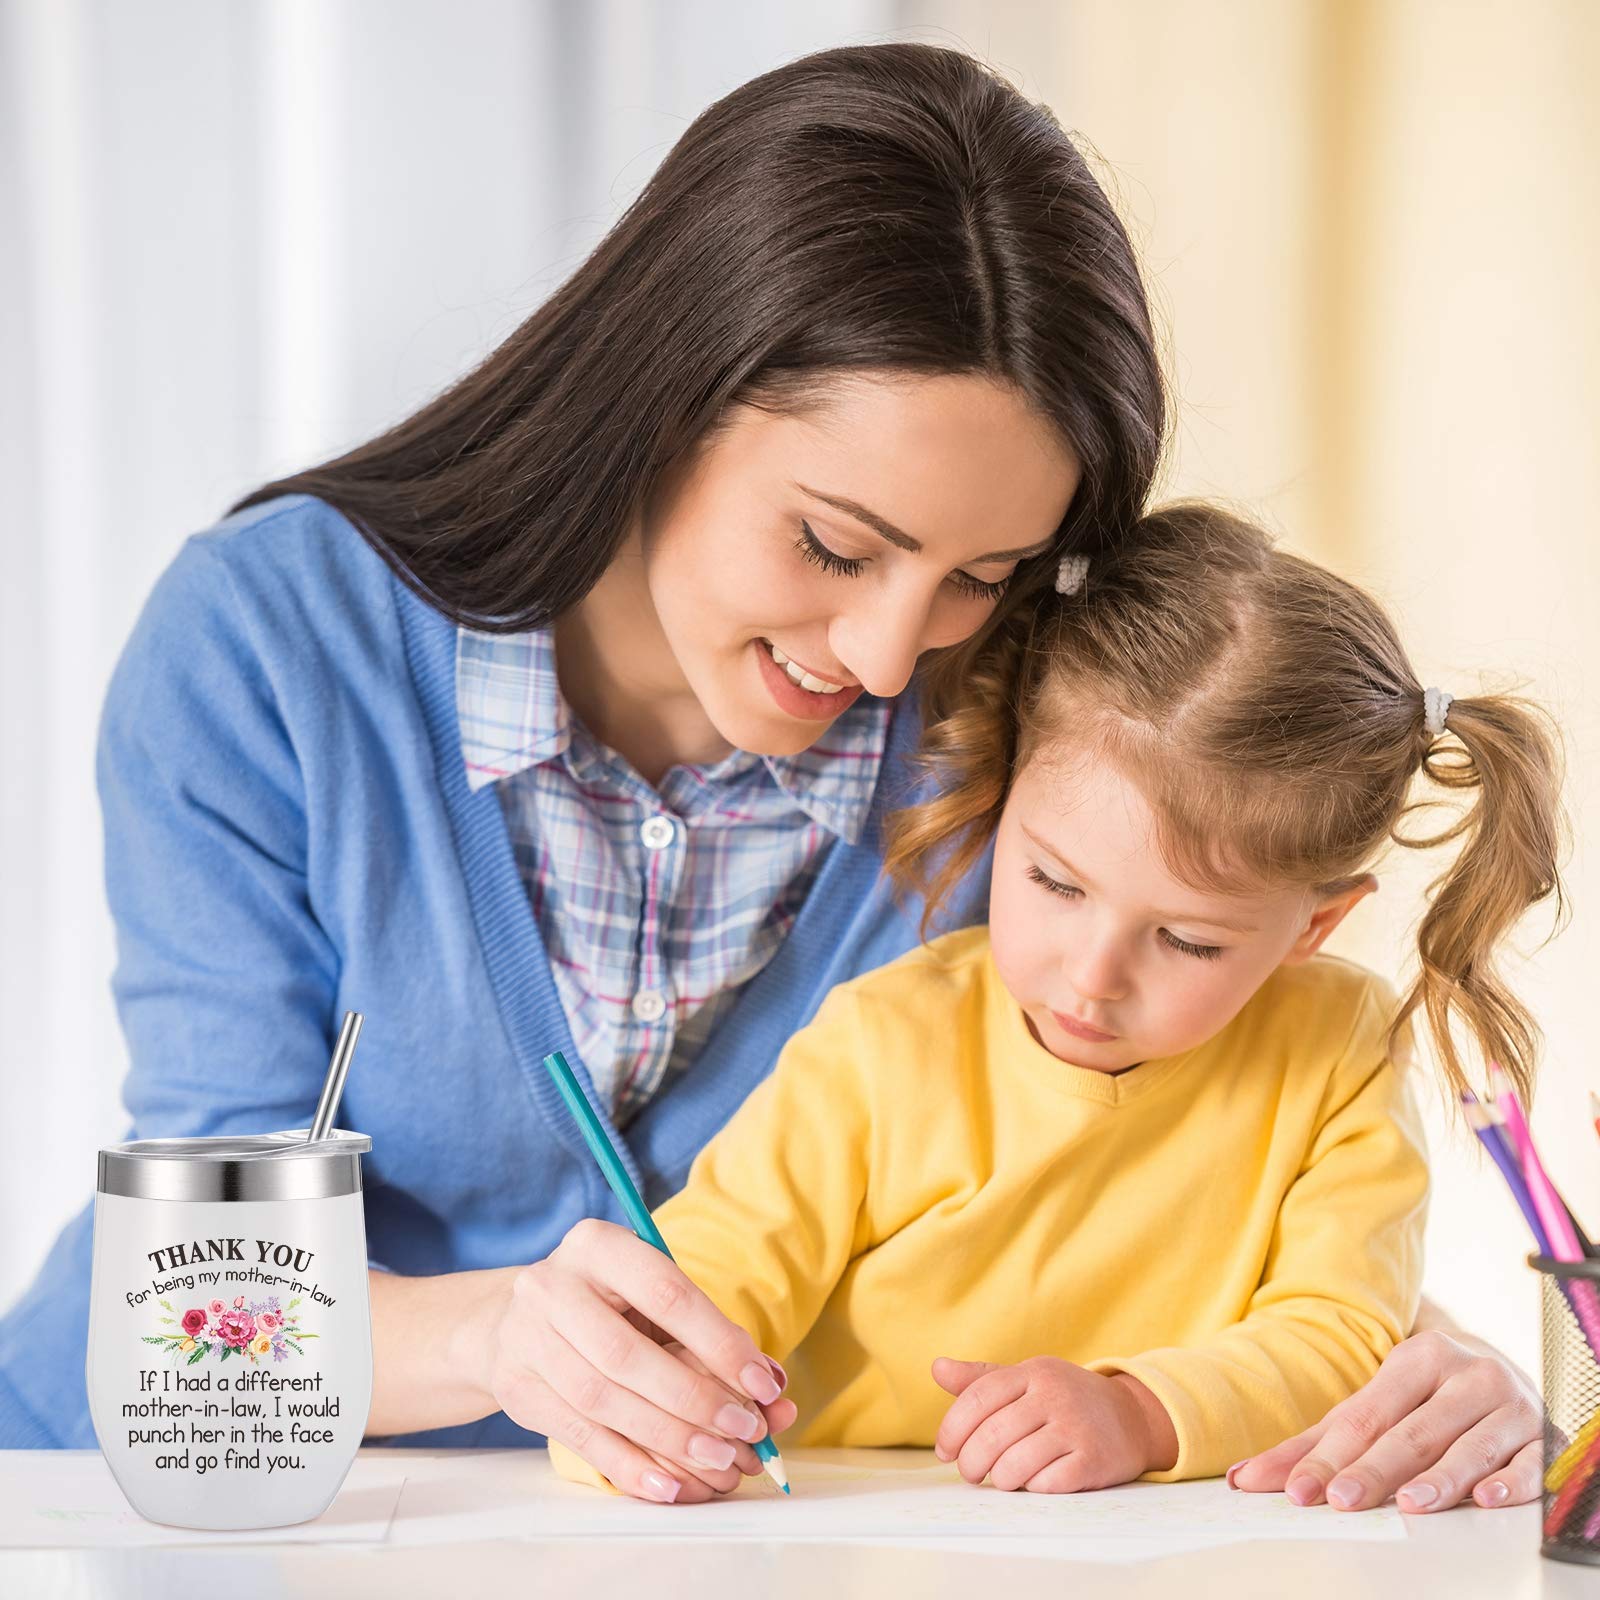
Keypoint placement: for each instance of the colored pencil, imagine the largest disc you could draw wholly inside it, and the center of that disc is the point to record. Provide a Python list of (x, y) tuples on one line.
[(1497, 1132), (1547, 1203), (1592, 1526), (1491, 1135), (1559, 1226), (1561, 1468), (1485, 1122), (639, 1218), (1571, 1492), (1580, 1294)]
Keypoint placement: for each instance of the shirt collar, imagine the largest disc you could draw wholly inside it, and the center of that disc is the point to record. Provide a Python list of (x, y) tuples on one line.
[(512, 716), (508, 703)]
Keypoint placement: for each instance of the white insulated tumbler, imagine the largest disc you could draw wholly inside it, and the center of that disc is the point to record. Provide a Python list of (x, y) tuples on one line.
[(230, 1347)]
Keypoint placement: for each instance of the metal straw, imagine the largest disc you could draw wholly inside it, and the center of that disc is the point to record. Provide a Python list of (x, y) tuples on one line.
[(333, 1084)]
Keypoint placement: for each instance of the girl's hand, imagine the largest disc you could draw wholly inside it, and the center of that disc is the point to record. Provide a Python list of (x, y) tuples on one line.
[(1050, 1426), (1445, 1416), (578, 1354)]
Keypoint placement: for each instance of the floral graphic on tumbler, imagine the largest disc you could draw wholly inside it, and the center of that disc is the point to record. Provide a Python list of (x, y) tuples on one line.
[(252, 1329)]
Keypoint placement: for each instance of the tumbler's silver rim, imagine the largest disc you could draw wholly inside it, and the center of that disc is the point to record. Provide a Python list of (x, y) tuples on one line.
[(263, 1166)]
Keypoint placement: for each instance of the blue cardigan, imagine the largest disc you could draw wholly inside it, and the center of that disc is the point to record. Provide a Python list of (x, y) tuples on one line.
[(288, 834)]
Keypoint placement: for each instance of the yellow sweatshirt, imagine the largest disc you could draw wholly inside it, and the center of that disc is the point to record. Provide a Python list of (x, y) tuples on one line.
[(1239, 1226)]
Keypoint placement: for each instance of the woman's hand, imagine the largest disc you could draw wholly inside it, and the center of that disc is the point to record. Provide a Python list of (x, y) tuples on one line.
[(1445, 1416), (578, 1354)]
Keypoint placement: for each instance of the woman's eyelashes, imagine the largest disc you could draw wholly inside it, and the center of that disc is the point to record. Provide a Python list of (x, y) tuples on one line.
[(816, 552), (976, 588), (1068, 891)]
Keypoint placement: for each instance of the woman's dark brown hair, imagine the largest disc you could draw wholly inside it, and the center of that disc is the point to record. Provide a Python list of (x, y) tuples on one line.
[(893, 207), (1268, 713)]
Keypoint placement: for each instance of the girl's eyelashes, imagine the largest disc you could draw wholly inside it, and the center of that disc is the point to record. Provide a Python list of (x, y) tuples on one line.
[(1206, 952), (815, 551), (1039, 876), (1067, 891)]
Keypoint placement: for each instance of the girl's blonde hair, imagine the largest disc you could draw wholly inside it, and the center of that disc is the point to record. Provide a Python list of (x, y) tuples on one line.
[(1267, 712)]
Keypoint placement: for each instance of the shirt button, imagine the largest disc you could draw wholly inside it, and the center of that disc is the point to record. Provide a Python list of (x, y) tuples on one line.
[(657, 832), (649, 1005)]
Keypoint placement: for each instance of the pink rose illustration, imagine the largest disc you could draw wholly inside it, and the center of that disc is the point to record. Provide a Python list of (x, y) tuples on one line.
[(249, 1328), (236, 1328)]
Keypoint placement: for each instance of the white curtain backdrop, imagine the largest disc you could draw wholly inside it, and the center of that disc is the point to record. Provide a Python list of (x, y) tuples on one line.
[(234, 239)]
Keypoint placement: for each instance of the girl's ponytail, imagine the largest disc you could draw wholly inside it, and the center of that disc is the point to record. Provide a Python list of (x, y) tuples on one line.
[(1506, 749)]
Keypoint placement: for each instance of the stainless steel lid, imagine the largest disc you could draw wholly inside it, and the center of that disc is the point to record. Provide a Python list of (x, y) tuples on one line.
[(261, 1166)]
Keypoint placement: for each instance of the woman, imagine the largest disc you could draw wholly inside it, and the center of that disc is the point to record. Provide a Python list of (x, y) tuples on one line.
[(565, 715)]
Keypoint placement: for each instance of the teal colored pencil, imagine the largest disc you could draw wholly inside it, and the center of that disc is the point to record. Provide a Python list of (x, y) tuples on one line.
[(604, 1152)]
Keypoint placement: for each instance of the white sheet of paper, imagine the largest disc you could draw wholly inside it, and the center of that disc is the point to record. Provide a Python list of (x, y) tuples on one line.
[(889, 1498), (56, 1499)]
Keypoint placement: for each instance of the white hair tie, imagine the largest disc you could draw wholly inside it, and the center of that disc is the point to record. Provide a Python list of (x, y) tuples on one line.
[(1071, 573), (1436, 705)]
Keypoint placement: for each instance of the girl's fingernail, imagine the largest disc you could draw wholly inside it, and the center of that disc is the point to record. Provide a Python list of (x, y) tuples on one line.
[(660, 1487), (705, 1451), (1344, 1493), (1303, 1490), (759, 1383), (1234, 1468), (777, 1372), (1421, 1495), (739, 1422), (1493, 1494)]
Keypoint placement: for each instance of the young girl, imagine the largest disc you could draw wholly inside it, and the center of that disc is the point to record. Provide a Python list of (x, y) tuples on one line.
[(1133, 1173)]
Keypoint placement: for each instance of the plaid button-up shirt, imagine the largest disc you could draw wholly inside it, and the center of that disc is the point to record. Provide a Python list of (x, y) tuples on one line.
[(656, 904)]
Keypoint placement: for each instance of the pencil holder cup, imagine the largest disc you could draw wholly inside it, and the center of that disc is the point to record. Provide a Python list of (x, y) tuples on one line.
[(1570, 1302), (230, 1349)]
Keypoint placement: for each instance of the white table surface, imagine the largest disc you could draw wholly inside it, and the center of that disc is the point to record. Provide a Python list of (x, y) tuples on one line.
[(1456, 1554)]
